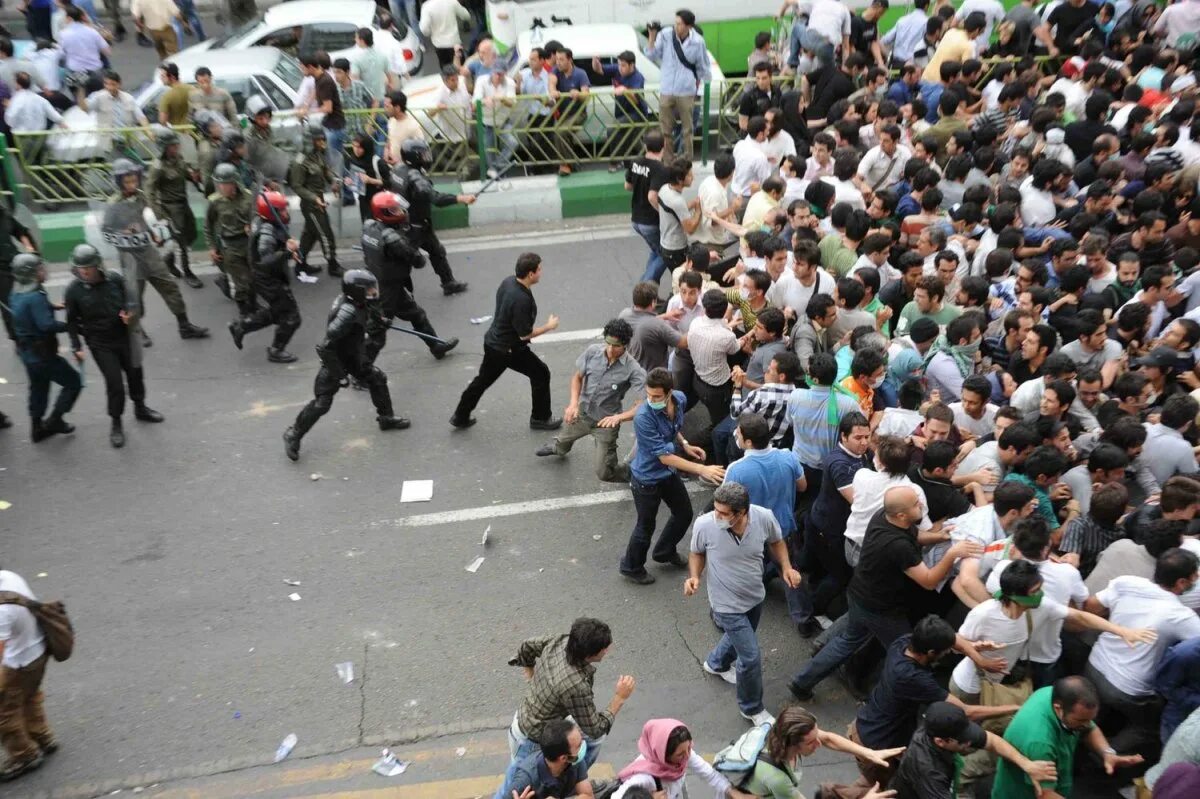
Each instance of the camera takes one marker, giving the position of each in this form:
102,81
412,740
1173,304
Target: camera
653,25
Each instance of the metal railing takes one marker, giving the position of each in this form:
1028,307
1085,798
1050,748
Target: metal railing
52,167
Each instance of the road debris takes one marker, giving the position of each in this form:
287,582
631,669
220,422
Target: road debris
475,564
294,597
346,672
388,765
286,747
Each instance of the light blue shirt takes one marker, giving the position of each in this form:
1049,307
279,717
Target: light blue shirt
815,437
907,35
770,476
539,85
676,79
1172,454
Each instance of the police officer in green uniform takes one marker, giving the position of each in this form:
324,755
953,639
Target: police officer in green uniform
227,229
124,227
211,127
166,194
310,178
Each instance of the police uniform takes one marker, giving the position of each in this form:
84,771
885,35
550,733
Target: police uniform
166,194
310,177
414,185
269,257
343,356
227,229
390,257
124,227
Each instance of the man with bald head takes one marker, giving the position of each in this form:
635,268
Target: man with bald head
891,556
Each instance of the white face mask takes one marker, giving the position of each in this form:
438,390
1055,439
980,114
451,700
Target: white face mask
723,524
877,382
744,293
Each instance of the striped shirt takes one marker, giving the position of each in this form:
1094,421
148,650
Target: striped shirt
996,118
709,342
814,427
771,401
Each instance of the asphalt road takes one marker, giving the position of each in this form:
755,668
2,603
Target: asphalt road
172,554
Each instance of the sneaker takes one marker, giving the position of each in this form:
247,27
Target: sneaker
641,578
809,627
13,768
759,718
729,675
675,560
462,424
546,450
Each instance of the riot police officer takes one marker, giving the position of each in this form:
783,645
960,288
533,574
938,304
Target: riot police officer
391,258
343,356
233,152
262,154
310,178
36,332
166,194
227,229
271,249
410,179
99,312
124,227
211,127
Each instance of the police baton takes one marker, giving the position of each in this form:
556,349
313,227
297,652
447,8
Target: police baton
424,336
499,176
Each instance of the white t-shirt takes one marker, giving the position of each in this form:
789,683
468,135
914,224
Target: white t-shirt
1063,585
452,120
992,11
1037,206
988,622
23,640
778,146
844,191
830,19
898,422
976,427
750,165
713,197
869,488
789,292
1138,602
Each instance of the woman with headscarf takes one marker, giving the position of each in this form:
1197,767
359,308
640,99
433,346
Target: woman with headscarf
903,365
365,163
666,758
795,735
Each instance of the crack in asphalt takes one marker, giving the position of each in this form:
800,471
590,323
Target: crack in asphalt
362,695
686,645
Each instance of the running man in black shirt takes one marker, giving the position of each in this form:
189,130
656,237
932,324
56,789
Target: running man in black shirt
644,178
506,346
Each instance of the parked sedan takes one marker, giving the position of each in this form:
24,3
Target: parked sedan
305,26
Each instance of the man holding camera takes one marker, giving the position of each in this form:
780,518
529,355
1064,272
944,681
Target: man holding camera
683,59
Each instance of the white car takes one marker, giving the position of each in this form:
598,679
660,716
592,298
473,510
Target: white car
604,41
311,25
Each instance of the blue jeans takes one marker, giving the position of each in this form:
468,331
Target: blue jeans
42,373
799,601
861,626
738,647
335,155
526,747
188,9
499,162
654,264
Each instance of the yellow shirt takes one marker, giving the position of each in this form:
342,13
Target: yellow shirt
954,46
757,208
155,14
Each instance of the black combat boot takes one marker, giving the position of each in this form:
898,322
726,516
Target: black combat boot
280,355
238,332
188,330
116,434
439,350
144,413
393,422
291,443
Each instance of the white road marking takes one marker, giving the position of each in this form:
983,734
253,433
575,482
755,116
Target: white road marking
569,335
517,508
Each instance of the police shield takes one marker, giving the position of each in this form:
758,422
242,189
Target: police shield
268,159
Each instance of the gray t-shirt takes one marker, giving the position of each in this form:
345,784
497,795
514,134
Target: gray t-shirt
1080,481
734,566
1094,360
652,338
761,359
672,210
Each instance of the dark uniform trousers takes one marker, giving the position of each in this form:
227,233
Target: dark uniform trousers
397,302
317,230
281,310
44,371
326,386
495,363
424,238
117,363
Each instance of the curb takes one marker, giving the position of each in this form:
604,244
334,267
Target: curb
549,198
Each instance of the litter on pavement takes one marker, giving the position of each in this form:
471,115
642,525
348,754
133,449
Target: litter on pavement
416,491
294,597
389,766
483,542
286,747
346,672
475,564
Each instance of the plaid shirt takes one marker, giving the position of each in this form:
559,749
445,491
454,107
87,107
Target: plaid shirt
558,689
356,96
770,400
1088,538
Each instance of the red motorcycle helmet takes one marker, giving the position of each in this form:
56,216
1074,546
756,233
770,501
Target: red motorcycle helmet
389,208
272,199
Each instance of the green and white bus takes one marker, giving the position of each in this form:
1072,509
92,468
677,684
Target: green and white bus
729,25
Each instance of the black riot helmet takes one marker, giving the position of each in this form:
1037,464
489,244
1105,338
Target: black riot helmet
232,139
356,283
416,153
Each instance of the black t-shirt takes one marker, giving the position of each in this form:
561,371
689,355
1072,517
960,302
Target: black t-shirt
755,101
515,314
326,89
945,501
879,583
645,175
889,716
862,35
1066,20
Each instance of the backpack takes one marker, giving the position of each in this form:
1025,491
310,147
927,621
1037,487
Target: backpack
51,618
737,761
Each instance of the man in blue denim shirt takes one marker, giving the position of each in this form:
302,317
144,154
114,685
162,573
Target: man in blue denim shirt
679,80
558,769
654,476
